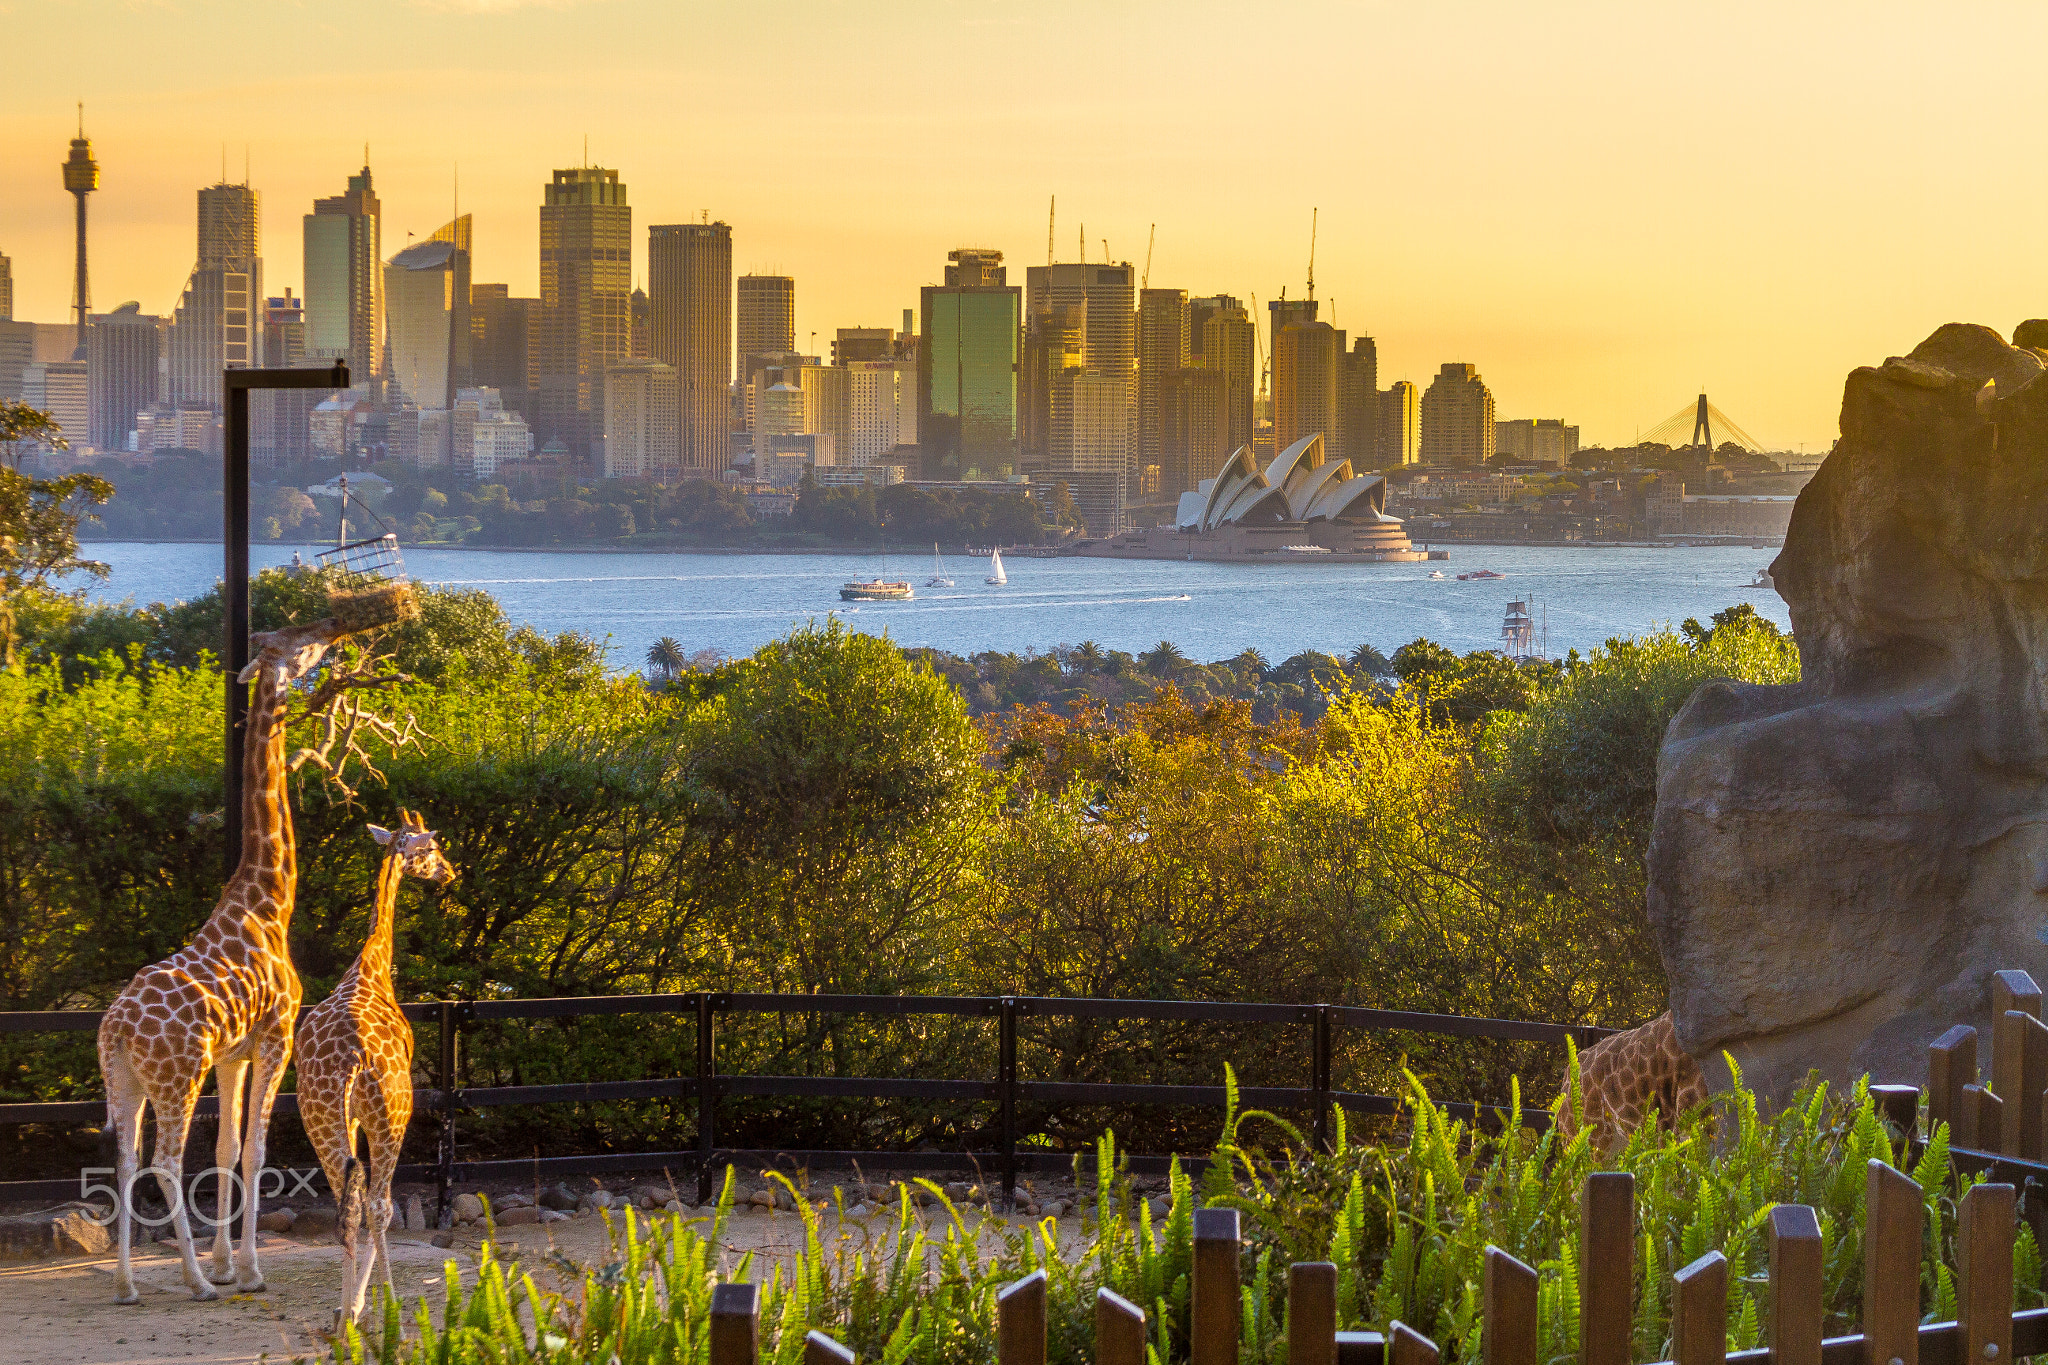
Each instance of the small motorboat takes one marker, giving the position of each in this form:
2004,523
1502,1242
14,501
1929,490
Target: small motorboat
1479,573
876,590
1436,573
995,568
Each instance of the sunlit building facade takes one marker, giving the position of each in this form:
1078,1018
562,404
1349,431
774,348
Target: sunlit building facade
967,367
586,286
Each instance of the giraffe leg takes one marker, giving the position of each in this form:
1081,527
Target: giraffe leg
125,1107
383,1167
273,1050
173,1126
227,1146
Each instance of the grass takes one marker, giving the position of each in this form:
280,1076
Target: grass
1405,1219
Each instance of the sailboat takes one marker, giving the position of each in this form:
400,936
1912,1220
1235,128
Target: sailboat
995,568
938,578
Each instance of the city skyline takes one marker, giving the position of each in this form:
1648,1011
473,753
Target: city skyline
1600,232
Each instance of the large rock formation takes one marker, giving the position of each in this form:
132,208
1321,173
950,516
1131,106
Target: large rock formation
1838,866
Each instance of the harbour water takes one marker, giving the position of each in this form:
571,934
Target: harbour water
733,603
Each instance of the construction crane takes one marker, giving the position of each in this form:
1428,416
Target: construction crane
1145,280
1050,213
1259,342
1105,251
1312,214
1084,244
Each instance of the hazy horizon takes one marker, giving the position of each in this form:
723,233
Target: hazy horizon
1604,207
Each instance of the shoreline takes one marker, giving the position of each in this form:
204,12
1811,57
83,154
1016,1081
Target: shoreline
1016,551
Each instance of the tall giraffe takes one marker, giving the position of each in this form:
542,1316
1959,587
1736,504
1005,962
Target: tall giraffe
226,1000
1624,1077
355,1066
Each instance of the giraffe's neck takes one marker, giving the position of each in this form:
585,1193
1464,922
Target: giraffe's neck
269,867
374,965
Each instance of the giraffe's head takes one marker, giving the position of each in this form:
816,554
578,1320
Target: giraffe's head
286,655
417,850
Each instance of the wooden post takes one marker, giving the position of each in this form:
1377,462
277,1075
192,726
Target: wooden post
1984,1231
1509,1309
1699,1312
2022,1062
1899,1106
1361,1348
1311,1313
1607,1281
1020,1321
1213,1325
1796,1286
1406,1346
1988,1118
2012,992
820,1349
1951,1065
1119,1330
1894,1221
735,1324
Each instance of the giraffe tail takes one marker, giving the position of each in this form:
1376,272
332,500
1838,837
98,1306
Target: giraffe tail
349,1203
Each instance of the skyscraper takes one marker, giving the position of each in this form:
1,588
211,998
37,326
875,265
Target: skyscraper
640,437
219,320
1358,405
345,279
6,289
1107,295
280,420
967,367
121,350
421,287
501,350
1230,343
863,343
1305,388
461,363
1162,350
1399,436
1457,418
881,410
586,285
689,285
767,314
81,177
1199,408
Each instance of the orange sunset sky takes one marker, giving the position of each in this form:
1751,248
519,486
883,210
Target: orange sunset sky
1604,206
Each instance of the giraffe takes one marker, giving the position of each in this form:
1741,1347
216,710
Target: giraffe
355,1067
225,1002
1623,1076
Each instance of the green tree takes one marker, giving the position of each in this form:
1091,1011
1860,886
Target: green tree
665,656
39,521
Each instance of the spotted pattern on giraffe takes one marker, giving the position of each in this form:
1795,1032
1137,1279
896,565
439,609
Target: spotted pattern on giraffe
355,1066
1627,1077
225,1003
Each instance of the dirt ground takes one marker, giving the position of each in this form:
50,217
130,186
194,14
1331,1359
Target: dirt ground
63,1312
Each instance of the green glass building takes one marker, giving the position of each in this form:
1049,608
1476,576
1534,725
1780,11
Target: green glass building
967,362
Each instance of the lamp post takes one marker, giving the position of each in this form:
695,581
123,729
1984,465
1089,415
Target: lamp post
236,385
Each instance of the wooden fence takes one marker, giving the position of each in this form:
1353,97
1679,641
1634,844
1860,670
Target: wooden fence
1986,1331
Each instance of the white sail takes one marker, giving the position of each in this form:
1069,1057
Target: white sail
938,578
995,567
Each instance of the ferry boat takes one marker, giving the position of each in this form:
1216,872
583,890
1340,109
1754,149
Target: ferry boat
1479,573
877,590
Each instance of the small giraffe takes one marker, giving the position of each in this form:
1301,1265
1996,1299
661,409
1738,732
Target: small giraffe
355,1067
226,1000
1624,1076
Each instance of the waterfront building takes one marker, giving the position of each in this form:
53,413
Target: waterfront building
586,283
689,285
1536,440
178,427
122,350
345,279
765,320
1163,343
1305,384
881,409
1091,442
1399,436
1457,418
641,439
499,438
967,366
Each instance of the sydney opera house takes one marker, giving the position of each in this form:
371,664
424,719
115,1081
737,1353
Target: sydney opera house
1302,505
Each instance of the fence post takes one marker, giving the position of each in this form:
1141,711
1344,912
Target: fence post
1406,1346
1984,1118
1006,1080
1321,1083
1020,1321
1607,1281
1984,1231
735,1324
1119,1330
1312,1313
2012,992
1899,1106
1796,1288
1894,1219
820,1349
1951,1065
1699,1312
707,1098
1509,1311
444,1173
1213,1325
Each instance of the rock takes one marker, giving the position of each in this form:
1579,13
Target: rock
313,1222
652,1196
415,1214
468,1208
66,1230
596,1199
765,1198
444,1239
957,1190
277,1220
514,1217
552,1216
2032,334
512,1201
1054,1208
559,1197
858,1211
673,1206
1838,866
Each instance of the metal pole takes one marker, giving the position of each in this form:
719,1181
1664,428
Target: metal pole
707,1102
1322,1076
234,652
444,1176
1006,1077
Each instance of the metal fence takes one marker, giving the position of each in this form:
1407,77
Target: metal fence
708,1086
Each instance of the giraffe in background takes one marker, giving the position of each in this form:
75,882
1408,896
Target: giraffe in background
226,1001
355,1067
1623,1076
